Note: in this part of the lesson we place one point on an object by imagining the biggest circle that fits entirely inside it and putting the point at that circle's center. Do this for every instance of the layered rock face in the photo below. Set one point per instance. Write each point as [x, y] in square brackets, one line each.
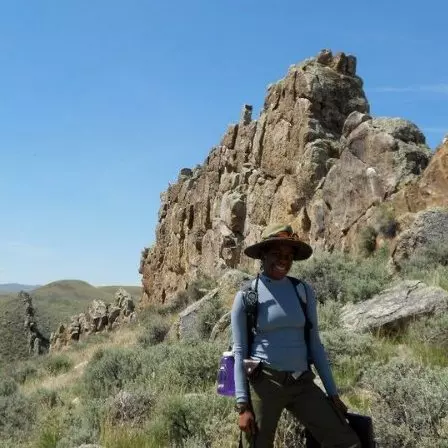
[315, 158]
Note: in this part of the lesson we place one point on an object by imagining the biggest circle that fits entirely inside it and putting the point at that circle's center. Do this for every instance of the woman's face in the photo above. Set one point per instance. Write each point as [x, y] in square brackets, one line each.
[277, 261]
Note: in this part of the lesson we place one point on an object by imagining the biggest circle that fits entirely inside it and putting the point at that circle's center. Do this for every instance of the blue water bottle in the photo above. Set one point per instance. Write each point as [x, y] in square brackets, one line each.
[226, 381]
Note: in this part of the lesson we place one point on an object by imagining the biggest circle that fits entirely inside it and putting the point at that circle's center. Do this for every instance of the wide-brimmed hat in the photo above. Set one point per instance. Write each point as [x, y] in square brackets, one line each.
[279, 233]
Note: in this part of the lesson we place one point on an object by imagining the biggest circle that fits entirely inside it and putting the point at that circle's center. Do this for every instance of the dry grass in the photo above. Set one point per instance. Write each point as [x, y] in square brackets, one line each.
[125, 337]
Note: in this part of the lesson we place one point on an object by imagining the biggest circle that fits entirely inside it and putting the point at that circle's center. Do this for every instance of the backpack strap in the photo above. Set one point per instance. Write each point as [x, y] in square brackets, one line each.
[308, 324]
[250, 303]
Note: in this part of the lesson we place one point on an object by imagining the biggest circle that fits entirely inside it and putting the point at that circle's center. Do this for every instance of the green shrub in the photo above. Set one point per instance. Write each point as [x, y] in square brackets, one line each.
[82, 424]
[156, 328]
[110, 370]
[195, 418]
[48, 437]
[130, 407]
[429, 264]
[350, 355]
[185, 367]
[342, 278]
[411, 403]
[385, 221]
[367, 241]
[17, 415]
[329, 314]
[127, 437]
[8, 387]
[431, 330]
[46, 397]
[342, 342]
[24, 371]
[208, 316]
[57, 364]
[70, 426]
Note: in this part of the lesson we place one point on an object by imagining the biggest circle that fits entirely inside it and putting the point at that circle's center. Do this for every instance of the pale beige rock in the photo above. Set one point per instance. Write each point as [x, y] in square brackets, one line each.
[394, 307]
[188, 318]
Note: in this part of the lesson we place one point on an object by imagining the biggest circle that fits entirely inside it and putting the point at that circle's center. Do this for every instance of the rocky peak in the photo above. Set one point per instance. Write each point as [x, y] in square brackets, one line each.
[314, 158]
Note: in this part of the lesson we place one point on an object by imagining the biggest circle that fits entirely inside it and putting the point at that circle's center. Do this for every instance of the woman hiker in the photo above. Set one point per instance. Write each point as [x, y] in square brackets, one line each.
[281, 348]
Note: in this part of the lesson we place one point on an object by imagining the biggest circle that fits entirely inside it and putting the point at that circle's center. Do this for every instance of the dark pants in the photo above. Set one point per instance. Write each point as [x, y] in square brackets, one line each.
[272, 391]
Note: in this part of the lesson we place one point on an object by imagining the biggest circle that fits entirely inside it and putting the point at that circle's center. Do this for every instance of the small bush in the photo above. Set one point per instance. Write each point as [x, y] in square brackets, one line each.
[411, 403]
[8, 387]
[191, 367]
[367, 241]
[17, 415]
[182, 367]
[110, 371]
[156, 328]
[127, 437]
[429, 264]
[349, 356]
[386, 223]
[130, 407]
[181, 421]
[431, 330]
[340, 277]
[46, 397]
[329, 314]
[208, 316]
[25, 371]
[81, 425]
[57, 364]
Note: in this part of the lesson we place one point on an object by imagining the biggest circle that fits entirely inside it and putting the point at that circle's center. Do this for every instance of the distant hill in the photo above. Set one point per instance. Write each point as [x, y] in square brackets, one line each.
[134, 291]
[15, 287]
[58, 301]
[54, 303]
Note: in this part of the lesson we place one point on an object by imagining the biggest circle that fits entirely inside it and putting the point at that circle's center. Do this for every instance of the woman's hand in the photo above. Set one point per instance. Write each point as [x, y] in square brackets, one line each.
[246, 422]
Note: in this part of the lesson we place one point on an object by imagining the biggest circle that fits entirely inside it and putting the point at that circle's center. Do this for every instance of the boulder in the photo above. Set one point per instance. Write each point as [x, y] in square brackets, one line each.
[429, 228]
[394, 307]
[188, 317]
[97, 314]
[221, 330]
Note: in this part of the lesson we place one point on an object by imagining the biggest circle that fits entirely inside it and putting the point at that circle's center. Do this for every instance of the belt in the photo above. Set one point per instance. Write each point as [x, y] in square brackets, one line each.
[285, 377]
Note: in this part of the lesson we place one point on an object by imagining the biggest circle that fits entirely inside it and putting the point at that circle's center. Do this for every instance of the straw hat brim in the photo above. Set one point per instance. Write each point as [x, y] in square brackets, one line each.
[302, 250]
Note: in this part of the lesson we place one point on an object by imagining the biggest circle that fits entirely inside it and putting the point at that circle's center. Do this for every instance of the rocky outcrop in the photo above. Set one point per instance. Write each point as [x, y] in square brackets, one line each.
[314, 158]
[99, 317]
[425, 229]
[221, 330]
[37, 342]
[394, 307]
[430, 189]
[187, 324]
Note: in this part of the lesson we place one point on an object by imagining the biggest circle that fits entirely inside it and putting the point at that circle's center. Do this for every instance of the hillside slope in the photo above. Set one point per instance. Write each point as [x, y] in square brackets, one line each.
[53, 303]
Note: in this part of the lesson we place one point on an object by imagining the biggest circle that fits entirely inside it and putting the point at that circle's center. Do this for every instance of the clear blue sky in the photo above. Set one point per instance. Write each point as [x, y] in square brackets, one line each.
[103, 102]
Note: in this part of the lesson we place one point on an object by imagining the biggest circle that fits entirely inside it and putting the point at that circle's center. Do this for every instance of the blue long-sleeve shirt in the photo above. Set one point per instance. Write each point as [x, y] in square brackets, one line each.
[280, 338]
